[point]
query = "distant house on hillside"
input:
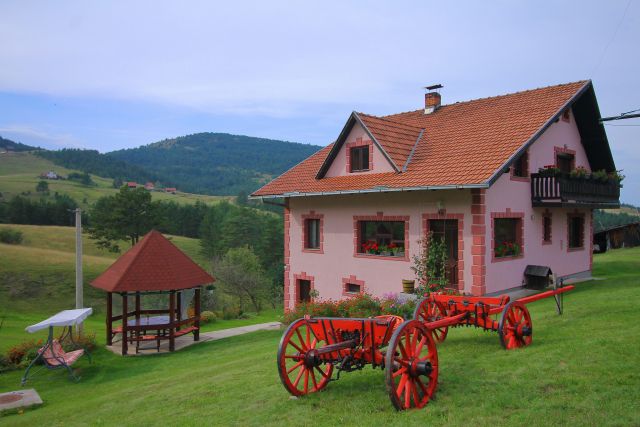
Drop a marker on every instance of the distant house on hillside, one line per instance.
(171, 190)
(132, 184)
(49, 175)
(503, 181)
(149, 186)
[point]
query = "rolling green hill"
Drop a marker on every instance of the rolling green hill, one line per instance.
(217, 163)
(19, 175)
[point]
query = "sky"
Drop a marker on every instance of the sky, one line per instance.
(119, 74)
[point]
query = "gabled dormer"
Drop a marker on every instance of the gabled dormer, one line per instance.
(370, 145)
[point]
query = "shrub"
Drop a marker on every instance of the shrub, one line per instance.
(5, 364)
(361, 305)
(208, 317)
(10, 236)
(26, 350)
(229, 313)
(87, 341)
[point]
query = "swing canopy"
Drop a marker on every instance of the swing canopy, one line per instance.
(64, 318)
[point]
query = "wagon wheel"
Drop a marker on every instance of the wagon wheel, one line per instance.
(301, 370)
(515, 328)
(411, 364)
(430, 311)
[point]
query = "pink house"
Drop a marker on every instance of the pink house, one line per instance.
(469, 173)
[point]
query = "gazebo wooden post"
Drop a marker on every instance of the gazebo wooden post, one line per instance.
(125, 332)
(179, 308)
(109, 318)
(138, 313)
(172, 316)
(196, 323)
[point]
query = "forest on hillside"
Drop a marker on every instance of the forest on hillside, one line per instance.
(93, 162)
(218, 163)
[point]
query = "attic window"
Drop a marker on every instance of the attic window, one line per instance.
(521, 166)
(566, 116)
(359, 158)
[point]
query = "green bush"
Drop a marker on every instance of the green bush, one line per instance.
(26, 350)
(10, 236)
(208, 317)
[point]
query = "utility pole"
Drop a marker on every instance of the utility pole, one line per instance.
(79, 297)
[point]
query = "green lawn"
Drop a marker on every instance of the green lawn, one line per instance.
(19, 173)
(580, 370)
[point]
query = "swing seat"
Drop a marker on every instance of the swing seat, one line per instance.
(55, 356)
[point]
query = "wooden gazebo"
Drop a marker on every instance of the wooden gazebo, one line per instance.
(153, 266)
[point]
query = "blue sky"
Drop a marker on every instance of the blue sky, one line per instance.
(122, 74)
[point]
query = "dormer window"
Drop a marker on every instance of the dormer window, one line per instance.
(359, 158)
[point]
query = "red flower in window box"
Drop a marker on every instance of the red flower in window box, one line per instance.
(370, 247)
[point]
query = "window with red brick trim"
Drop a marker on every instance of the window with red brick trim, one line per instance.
(312, 233)
(359, 158)
(575, 229)
(382, 237)
(352, 286)
(507, 237)
(521, 166)
(546, 228)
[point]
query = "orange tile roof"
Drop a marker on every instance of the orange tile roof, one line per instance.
(396, 138)
(463, 144)
(152, 264)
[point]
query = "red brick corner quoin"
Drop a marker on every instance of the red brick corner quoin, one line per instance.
(478, 246)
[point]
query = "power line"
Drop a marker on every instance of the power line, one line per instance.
(615, 33)
(610, 124)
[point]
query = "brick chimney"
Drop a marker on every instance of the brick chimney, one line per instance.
(431, 102)
(432, 99)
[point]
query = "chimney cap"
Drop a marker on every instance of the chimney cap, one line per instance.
(433, 87)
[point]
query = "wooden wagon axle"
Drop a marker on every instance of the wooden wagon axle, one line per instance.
(311, 348)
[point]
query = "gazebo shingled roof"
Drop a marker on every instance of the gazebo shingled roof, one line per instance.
(153, 264)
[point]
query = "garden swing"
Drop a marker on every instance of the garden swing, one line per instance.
(52, 354)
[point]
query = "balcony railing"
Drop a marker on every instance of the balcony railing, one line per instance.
(564, 191)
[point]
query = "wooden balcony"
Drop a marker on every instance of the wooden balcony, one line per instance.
(561, 191)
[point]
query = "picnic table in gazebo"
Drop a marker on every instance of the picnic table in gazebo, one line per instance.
(153, 266)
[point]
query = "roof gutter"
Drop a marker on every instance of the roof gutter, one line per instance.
(371, 191)
(537, 135)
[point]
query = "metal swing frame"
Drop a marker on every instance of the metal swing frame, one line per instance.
(67, 332)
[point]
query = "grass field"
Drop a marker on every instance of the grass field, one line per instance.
(37, 279)
(580, 370)
(19, 173)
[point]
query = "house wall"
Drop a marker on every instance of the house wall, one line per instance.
(510, 196)
(337, 260)
(339, 165)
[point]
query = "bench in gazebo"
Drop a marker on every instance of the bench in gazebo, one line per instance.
(153, 266)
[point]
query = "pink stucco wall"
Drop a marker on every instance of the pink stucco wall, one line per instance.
(507, 193)
(338, 261)
(339, 165)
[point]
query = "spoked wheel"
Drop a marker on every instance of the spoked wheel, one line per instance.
(430, 311)
(411, 365)
(301, 370)
(515, 328)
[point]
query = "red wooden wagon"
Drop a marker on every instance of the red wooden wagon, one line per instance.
(313, 347)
